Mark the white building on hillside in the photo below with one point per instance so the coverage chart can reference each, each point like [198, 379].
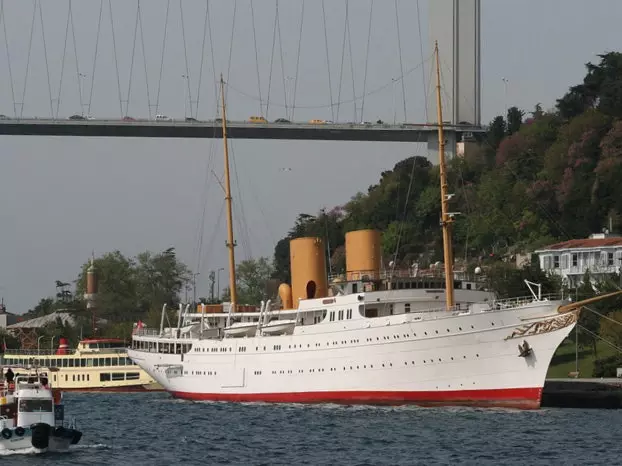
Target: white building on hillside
[601, 254]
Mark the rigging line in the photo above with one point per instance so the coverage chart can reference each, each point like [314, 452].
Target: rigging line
[600, 338]
[210, 243]
[116, 59]
[8, 56]
[330, 86]
[99, 22]
[425, 95]
[45, 54]
[351, 62]
[272, 59]
[204, 198]
[129, 83]
[602, 315]
[235, 9]
[371, 9]
[256, 58]
[142, 40]
[403, 222]
[372, 92]
[302, 16]
[62, 66]
[343, 53]
[32, 27]
[168, 7]
[243, 214]
[75, 53]
[278, 22]
[399, 49]
[196, 112]
[183, 36]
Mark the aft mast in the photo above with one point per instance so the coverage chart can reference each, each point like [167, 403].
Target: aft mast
[230, 242]
[446, 219]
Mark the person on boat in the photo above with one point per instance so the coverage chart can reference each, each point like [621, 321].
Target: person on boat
[44, 382]
[9, 376]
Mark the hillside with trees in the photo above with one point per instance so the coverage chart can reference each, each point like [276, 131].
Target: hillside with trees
[534, 178]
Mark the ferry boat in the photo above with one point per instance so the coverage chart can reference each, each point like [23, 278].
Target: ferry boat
[31, 413]
[373, 338]
[97, 364]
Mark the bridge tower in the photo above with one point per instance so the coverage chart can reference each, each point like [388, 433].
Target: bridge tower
[455, 24]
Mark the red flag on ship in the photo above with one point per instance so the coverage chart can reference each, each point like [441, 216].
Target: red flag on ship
[3, 345]
[137, 326]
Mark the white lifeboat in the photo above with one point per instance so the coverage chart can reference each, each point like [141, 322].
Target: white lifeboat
[241, 329]
[279, 327]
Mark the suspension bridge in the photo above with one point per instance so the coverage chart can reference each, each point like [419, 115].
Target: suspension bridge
[319, 70]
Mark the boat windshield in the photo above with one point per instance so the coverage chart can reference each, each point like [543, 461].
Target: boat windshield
[35, 406]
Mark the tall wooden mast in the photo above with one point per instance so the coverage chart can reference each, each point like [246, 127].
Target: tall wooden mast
[446, 219]
[230, 242]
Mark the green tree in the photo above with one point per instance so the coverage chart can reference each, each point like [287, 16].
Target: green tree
[252, 278]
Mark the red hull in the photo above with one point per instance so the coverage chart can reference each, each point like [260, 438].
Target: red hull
[519, 398]
[127, 389]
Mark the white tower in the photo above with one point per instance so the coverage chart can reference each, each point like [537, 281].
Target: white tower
[455, 24]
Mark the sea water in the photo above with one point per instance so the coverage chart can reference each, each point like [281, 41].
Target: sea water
[154, 429]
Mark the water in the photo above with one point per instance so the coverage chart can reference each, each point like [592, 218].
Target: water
[153, 429]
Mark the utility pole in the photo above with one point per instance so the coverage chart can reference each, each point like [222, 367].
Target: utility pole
[212, 281]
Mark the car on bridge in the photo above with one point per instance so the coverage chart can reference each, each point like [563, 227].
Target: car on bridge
[190, 120]
[317, 122]
[282, 120]
[128, 118]
[77, 117]
[257, 119]
[4, 117]
[163, 118]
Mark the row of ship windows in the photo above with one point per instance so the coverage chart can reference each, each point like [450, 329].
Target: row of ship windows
[242, 349]
[71, 362]
[103, 377]
[333, 369]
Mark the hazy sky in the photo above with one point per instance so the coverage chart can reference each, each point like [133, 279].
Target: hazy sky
[64, 197]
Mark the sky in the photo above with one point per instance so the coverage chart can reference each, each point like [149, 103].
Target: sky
[63, 198]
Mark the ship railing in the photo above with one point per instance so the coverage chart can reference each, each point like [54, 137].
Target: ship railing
[508, 303]
[147, 332]
[53, 352]
[388, 274]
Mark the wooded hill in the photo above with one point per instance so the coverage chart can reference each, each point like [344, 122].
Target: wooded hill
[535, 178]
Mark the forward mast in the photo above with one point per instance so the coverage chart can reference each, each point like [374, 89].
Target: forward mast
[230, 241]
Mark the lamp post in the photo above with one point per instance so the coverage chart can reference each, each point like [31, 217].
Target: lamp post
[505, 96]
[194, 287]
[218, 282]
[394, 81]
[82, 77]
[52, 344]
[186, 85]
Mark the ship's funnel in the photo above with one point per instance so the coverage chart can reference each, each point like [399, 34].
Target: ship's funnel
[308, 264]
[63, 346]
[362, 254]
[285, 293]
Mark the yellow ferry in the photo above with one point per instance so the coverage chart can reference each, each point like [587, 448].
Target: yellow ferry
[97, 364]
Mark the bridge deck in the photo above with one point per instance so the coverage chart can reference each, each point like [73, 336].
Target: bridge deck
[236, 130]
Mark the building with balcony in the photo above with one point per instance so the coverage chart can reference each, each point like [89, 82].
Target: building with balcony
[600, 254]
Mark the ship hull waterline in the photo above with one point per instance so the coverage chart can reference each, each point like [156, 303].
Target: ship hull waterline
[518, 398]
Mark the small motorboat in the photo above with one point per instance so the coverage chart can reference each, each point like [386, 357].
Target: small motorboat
[32, 413]
[279, 327]
[241, 329]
